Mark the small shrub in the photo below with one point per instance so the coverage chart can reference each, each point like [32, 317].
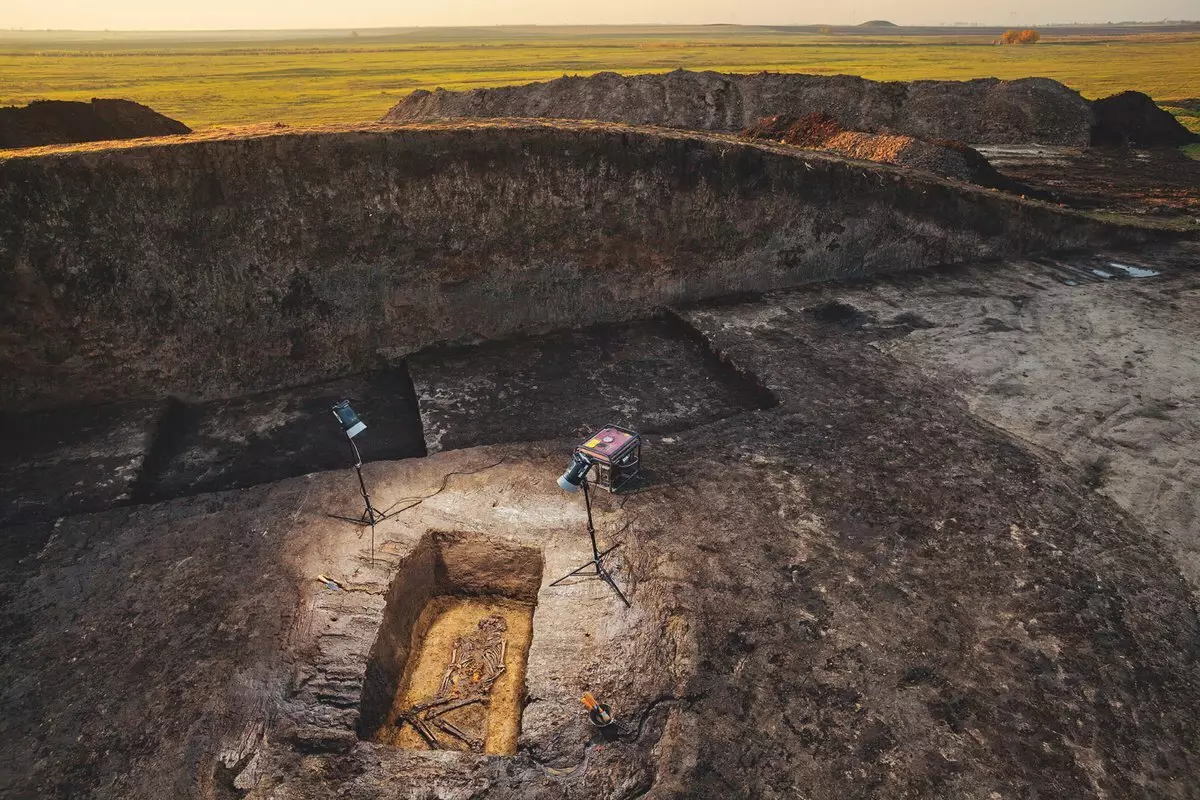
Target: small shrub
[1027, 36]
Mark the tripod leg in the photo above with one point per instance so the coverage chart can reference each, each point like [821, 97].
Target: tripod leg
[588, 565]
[609, 580]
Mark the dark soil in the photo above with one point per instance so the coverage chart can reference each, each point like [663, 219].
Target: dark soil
[232, 444]
[958, 634]
[1160, 182]
[1132, 119]
[655, 377]
[72, 461]
[45, 122]
[984, 110]
[79, 460]
[862, 592]
[811, 130]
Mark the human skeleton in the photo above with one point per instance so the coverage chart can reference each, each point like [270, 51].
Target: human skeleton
[476, 662]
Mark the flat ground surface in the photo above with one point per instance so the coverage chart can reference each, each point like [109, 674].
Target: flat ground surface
[1160, 183]
[1103, 371]
[337, 76]
[868, 590]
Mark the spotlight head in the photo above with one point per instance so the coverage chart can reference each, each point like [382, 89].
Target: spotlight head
[576, 474]
[351, 425]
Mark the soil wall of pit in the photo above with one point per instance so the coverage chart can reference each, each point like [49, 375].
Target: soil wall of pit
[210, 268]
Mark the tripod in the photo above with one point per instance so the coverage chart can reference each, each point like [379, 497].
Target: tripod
[601, 572]
[371, 515]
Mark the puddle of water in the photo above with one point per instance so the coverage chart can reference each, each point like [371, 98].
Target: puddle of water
[1134, 272]
[1101, 273]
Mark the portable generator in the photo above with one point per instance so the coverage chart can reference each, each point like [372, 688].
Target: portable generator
[617, 455]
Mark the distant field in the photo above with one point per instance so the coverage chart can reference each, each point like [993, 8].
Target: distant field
[208, 80]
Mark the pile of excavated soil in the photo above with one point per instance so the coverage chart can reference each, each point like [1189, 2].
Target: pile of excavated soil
[1132, 119]
[811, 130]
[986, 110]
[820, 131]
[66, 122]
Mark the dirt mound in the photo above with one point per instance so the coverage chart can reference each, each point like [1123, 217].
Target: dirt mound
[987, 110]
[811, 130]
[67, 122]
[1133, 119]
[820, 131]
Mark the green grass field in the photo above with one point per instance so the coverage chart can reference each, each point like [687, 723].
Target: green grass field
[236, 79]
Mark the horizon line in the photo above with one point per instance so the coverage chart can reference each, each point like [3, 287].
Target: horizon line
[944, 26]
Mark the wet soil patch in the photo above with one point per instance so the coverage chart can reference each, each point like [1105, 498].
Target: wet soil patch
[447, 670]
[72, 461]
[655, 376]
[232, 444]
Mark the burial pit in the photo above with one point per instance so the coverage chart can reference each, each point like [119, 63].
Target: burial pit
[447, 670]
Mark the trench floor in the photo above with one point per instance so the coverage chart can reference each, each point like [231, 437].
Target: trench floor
[654, 376]
[245, 441]
[57, 463]
[80, 460]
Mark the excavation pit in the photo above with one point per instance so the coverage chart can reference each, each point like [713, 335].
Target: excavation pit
[447, 670]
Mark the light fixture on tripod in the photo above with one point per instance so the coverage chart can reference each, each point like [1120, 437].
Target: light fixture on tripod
[571, 480]
[352, 426]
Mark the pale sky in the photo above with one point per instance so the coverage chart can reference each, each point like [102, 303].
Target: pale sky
[260, 14]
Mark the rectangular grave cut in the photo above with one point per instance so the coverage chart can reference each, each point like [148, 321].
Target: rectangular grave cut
[450, 655]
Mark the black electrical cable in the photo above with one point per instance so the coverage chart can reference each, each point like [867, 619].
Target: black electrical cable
[416, 501]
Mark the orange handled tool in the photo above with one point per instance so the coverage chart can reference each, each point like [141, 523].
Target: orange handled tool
[593, 706]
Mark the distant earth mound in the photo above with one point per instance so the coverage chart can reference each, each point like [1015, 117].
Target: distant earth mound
[1132, 119]
[67, 122]
[944, 158]
[878, 23]
[982, 111]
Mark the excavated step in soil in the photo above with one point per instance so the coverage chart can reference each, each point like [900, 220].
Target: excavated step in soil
[232, 444]
[654, 376]
[72, 461]
[58, 463]
[250, 440]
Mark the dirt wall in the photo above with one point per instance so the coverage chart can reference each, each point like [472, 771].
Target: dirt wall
[981, 111]
[210, 268]
[411, 589]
